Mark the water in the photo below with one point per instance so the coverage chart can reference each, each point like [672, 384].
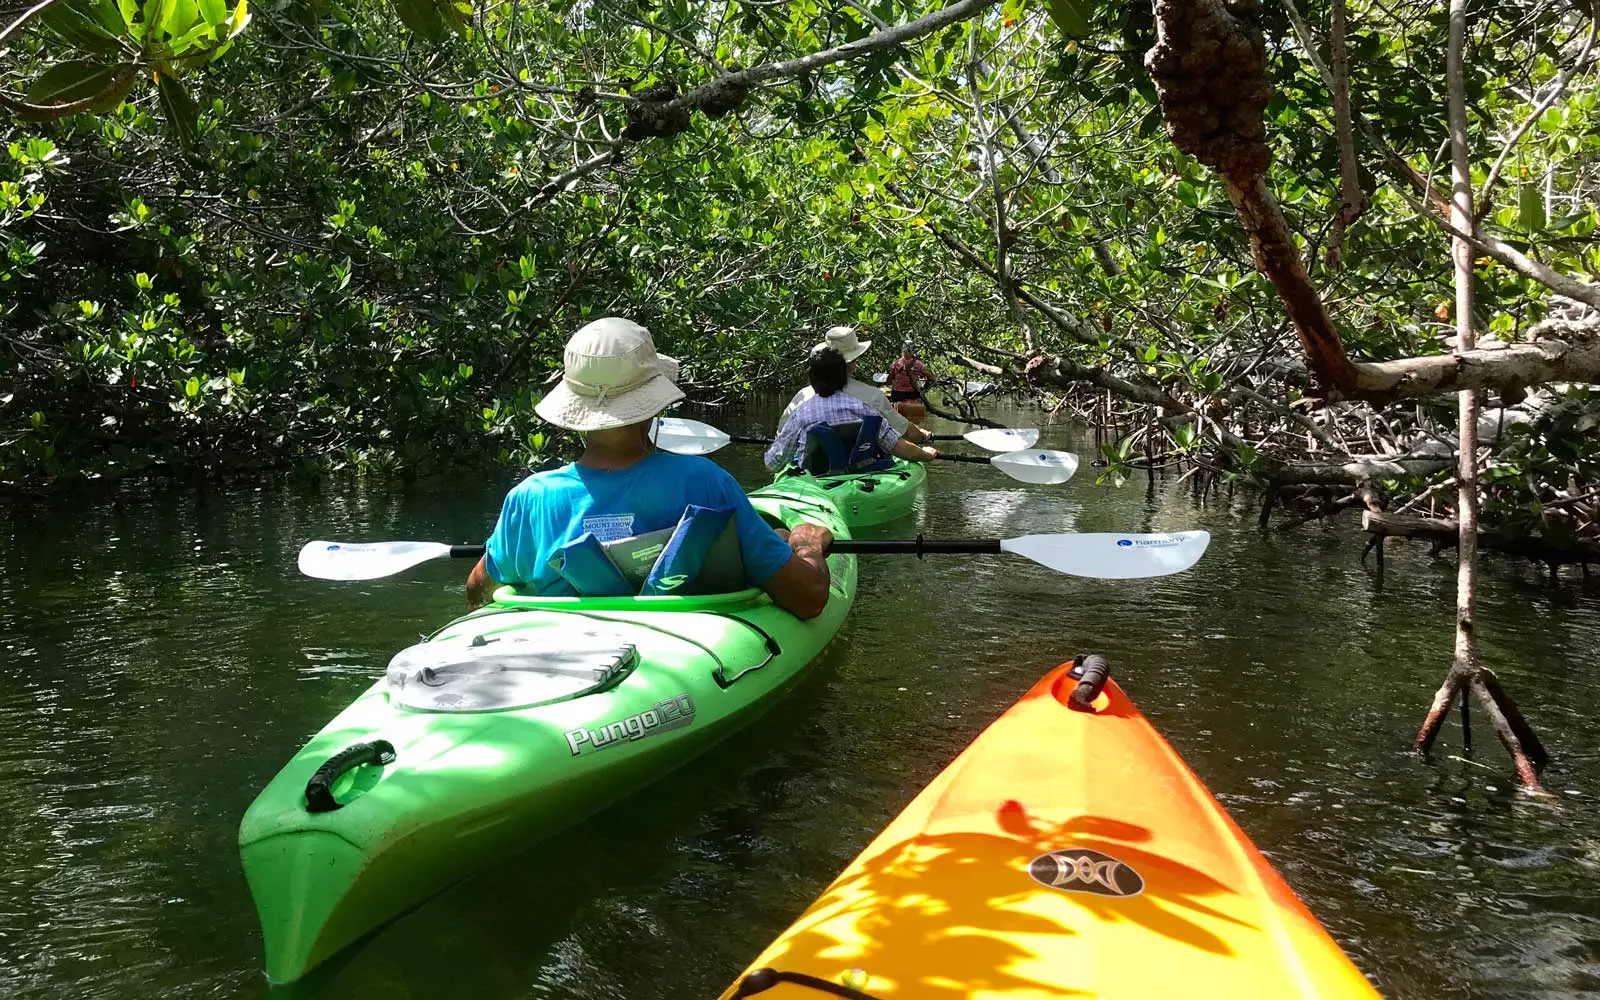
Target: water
[160, 659]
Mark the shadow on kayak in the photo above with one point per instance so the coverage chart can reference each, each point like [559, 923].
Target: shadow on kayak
[499, 932]
[963, 908]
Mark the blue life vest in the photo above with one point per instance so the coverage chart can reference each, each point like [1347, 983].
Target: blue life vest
[828, 453]
[699, 555]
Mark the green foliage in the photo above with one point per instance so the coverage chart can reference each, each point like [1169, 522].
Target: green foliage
[347, 241]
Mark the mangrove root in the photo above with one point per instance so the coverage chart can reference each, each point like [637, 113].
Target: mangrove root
[1443, 534]
[1516, 735]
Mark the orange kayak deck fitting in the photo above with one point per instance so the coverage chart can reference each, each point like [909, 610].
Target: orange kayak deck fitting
[1065, 853]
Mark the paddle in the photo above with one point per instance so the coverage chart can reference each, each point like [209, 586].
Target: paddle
[996, 438]
[1031, 465]
[880, 377]
[1098, 555]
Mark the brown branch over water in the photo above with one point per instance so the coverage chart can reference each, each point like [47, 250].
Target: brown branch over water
[1209, 66]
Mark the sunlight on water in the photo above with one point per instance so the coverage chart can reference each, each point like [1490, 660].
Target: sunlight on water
[160, 659]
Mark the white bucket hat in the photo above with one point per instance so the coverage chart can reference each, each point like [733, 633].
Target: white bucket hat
[613, 377]
[843, 339]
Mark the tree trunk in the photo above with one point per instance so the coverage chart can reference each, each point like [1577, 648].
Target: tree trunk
[1461, 254]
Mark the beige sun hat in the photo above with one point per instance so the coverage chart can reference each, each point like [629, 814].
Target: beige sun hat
[612, 377]
[669, 366]
[843, 339]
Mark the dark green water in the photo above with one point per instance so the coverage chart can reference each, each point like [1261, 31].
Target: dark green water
[160, 659]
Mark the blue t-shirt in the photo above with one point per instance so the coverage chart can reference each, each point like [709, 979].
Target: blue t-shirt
[548, 510]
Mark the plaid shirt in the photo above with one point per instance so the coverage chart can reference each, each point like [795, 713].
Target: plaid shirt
[839, 408]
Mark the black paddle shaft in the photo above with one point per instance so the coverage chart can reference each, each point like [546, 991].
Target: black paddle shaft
[981, 459]
[850, 546]
[913, 546]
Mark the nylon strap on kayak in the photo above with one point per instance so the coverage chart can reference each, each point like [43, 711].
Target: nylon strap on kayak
[762, 980]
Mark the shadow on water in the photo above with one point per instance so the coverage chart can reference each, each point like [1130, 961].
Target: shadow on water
[160, 660]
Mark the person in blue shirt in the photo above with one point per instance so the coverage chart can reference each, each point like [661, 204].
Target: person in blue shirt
[613, 386]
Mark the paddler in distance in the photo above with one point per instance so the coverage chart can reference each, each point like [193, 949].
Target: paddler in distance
[613, 385]
[844, 340]
[907, 376]
[831, 406]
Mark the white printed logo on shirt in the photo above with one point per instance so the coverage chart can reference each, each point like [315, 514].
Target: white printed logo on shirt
[609, 527]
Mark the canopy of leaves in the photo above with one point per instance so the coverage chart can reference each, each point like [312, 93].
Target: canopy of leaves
[366, 231]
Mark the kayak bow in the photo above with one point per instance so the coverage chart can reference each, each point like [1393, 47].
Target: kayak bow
[1065, 853]
[506, 726]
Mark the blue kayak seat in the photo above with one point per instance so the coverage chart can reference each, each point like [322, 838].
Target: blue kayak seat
[839, 448]
[699, 555]
[584, 564]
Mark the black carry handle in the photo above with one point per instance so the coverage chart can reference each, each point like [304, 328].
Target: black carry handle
[762, 980]
[1091, 672]
[319, 790]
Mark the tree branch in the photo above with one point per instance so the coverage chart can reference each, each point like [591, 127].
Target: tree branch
[1352, 200]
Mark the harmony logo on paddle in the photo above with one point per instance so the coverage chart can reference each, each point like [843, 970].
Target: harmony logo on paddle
[1148, 543]
[1078, 869]
[671, 713]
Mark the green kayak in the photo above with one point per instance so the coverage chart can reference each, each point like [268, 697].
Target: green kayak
[506, 726]
[870, 498]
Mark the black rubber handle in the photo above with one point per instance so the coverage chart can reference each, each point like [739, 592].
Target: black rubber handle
[466, 551]
[319, 790]
[975, 459]
[1091, 671]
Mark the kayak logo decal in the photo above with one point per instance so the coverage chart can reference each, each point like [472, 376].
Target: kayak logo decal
[1148, 543]
[670, 713]
[1078, 869]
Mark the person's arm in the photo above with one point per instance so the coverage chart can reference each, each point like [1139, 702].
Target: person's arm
[882, 407]
[503, 552]
[904, 448]
[777, 454]
[801, 586]
[916, 433]
[793, 571]
[480, 586]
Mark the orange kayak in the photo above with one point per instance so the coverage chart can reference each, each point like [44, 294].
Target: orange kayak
[1066, 853]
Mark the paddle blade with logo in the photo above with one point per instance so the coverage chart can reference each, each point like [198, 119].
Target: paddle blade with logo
[1111, 555]
[688, 437]
[369, 560]
[1003, 438]
[1036, 465]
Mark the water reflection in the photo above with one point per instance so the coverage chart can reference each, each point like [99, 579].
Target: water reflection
[159, 660]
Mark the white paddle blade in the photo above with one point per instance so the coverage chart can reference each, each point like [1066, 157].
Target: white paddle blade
[1003, 438]
[1111, 556]
[1036, 465]
[688, 437]
[976, 388]
[366, 561]
[880, 377]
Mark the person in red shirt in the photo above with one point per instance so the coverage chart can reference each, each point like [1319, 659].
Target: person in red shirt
[906, 378]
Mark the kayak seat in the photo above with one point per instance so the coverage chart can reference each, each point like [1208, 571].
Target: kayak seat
[698, 555]
[517, 669]
[839, 448]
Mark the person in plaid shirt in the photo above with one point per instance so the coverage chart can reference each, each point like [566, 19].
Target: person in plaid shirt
[831, 405]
